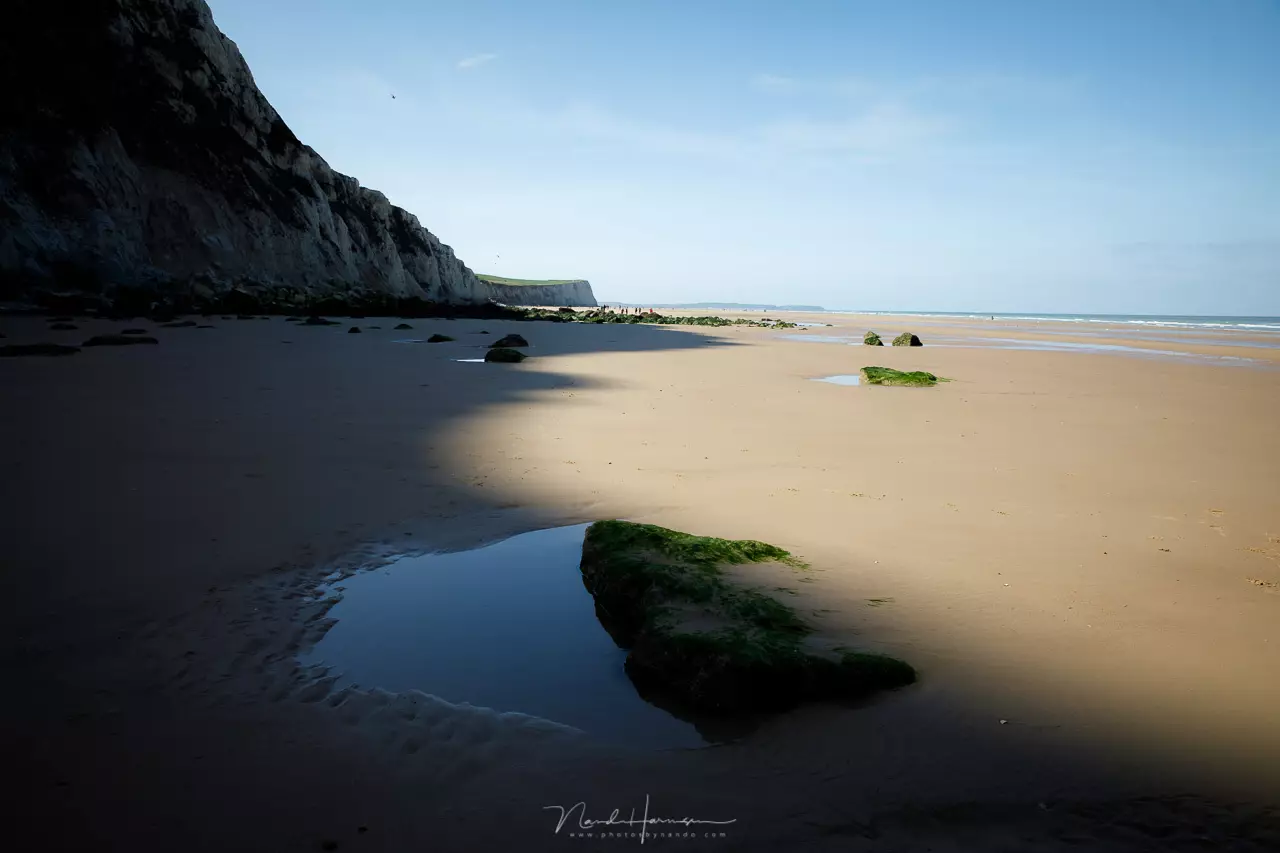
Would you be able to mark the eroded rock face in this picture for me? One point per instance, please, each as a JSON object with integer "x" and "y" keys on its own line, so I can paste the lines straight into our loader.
{"x": 153, "y": 161}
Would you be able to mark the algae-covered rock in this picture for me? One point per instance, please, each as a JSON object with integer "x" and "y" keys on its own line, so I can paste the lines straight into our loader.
{"x": 871, "y": 339}
{"x": 906, "y": 339}
{"x": 510, "y": 341}
{"x": 505, "y": 355}
{"x": 439, "y": 339}
{"x": 703, "y": 638}
{"x": 118, "y": 340}
{"x": 889, "y": 376}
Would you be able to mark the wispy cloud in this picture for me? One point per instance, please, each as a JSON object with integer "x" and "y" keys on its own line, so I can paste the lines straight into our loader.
{"x": 476, "y": 61}
{"x": 962, "y": 85}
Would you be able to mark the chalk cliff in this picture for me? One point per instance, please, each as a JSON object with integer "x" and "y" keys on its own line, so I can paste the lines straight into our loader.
{"x": 576, "y": 293}
{"x": 137, "y": 152}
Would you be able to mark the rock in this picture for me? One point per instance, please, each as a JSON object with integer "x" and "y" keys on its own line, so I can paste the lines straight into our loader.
{"x": 154, "y": 164}
{"x": 320, "y": 321}
{"x": 371, "y": 328}
{"x": 63, "y": 327}
{"x": 871, "y": 339}
{"x": 354, "y": 330}
{"x": 403, "y": 327}
{"x": 505, "y": 355}
{"x": 134, "y": 332}
{"x": 889, "y": 376}
{"x": 510, "y": 341}
{"x": 439, "y": 339}
{"x": 707, "y": 640}
{"x": 20, "y": 350}
{"x": 906, "y": 339}
{"x": 181, "y": 324}
{"x": 118, "y": 340}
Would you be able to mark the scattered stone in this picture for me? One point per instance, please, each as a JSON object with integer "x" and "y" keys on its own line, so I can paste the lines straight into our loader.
{"x": 181, "y": 324}
{"x": 20, "y": 350}
{"x": 889, "y": 376}
{"x": 906, "y": 339}
{"x": 134, "y": 332}
{"x": 118, "y": 340}
{"x": 401, "y": 327}
{"x": 700, "y": 637}
{"x": 510, "y": 341}
{"x": 505, "y": 355}
{"x": 483, "y": 332}
{"x": 439, "y": 339}
{"x": 320, "y": 321}
{"x": 354, "y": 330}
{"x": 63, "y": 327}
{"x": 871, "y": 339}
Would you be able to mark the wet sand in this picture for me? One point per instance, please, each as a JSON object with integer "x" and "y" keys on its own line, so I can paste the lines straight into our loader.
{"x": 1078, "y": 550}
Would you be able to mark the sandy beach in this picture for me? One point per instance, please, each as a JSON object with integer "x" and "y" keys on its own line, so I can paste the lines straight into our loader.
{"x": 1077, "y": 547}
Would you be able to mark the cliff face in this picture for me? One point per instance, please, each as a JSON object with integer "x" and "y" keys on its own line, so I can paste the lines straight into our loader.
{"x": 139, "y": 152}
{"x": 576, "y": 293}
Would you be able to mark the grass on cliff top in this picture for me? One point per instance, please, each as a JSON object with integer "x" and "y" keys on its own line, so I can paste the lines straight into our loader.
{"x": 889, "y": 376}
{"x": 525, "y": 282}
{"x": 696, "y": 634}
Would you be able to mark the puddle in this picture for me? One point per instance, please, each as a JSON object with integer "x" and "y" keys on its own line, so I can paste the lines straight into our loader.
{"x": 508, "y": 626}
{"x": 842, "y": 379}
{"x": 469, "y": 360}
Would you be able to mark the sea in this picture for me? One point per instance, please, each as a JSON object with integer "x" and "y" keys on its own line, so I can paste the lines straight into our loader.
{"x": 1171, "y": 321}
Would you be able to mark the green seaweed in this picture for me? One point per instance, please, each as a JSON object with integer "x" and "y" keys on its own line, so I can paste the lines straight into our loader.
{"x": 889, "y": 376}
{"x": 907, "y": 339}
{"x": 872, "y": 339}
{"x": 694, "y": 632}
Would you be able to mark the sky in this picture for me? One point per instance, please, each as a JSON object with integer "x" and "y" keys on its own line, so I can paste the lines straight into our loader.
{"x": 1099, "y": 156}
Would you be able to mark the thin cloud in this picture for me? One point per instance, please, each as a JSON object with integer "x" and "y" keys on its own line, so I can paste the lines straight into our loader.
{"x": 477, "y": 60}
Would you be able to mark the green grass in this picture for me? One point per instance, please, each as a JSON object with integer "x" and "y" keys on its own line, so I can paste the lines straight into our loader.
{"x": 889, "y": 376}
{"x": 697, "y": 634}
{"x": 526, "y": 282}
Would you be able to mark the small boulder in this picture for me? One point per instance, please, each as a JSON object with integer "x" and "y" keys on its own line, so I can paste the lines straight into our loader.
{"x": 134, "y": 332}
{"x": 871, "y": 339}
{"x": 510, "y": 341}
{"x": 402, "y": 326}
{"x": 439, "y": 339}
{"x": 505, "y": 355}
{"x": 320, "y": 321}
{"x": 19, "y": 350}
{"x": 354, "y": 330}
{"x": 63, "y": 327}
{"x": 906, "y": 339}
{"x": 118, "y": 340}
{"x": 181, "y": 324}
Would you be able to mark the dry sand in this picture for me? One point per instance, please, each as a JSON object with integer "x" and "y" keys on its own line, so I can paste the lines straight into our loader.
{"x": 1079, "y": 551}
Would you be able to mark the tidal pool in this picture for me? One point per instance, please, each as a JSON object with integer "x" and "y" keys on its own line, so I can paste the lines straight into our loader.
{"x": 842, "y": 379}
{"x": 507, "y": 626}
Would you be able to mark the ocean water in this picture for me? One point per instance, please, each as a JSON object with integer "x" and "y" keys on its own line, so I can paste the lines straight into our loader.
{"x": 1171, "y": 321}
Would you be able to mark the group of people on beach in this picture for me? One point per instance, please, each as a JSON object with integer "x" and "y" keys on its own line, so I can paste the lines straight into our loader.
{"x": 625, "y": 310}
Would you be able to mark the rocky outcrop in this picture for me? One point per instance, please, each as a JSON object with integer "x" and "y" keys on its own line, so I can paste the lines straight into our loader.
{"x": 575, "y": 293}
{"x": 137, "y": 152}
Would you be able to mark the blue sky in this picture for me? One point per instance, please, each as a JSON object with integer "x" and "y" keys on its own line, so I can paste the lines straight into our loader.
{"x": 1085, "y": 155}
